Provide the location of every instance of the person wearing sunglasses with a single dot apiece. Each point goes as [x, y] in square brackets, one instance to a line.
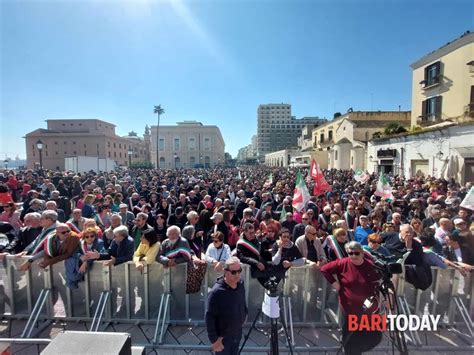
[217, 252]
[375, 244]
[90, 241]
[356, 278]
[227, 310]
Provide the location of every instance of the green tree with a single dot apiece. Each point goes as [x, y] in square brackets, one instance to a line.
[337, 114]
[394, 128]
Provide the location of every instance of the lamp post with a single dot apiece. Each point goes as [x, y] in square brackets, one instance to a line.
[130, 152]
[39, 146]
[159, 111]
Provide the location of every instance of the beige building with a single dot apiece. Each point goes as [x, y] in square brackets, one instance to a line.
[345, 138]
[187, 145]
[443, 83]
[443, 107]
[82, 137]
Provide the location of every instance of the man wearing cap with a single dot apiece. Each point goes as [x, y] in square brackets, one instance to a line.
[219, 226]
[126, 215]
[363, 230]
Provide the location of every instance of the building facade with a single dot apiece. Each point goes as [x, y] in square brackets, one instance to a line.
[65, 138]
[443, 112]
[277, 129]
[442, 152]
[443, 83]
[189, 144]
[344, 140]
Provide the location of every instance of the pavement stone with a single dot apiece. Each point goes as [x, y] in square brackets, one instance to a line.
[189, 338]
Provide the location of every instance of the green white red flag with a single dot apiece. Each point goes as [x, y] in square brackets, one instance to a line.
[361, 176]
[384, 190]
[301, 195]
[269, 181]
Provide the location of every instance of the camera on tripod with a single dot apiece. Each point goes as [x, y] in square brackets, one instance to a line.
[386, 266]
[272, 286]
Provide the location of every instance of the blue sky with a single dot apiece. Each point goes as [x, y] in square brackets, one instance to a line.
[211, 61]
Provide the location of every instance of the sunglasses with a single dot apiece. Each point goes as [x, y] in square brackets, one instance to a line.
[234, 272]
[356, 253]
[64, 232]
[89, 236]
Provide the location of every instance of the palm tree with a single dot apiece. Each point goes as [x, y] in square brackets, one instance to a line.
[159, 111]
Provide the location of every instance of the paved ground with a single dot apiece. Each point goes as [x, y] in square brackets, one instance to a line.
[307, 337]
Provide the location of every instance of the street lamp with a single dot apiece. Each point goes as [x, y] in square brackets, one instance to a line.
[39, 146]
[159, 111]
[130, 152]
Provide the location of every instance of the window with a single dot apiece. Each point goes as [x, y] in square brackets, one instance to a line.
[431, 109]
[192, 162]
[432, 74]
[330, 135]
[120, 145]
[162, 161]
[321, 138]
[73, 142]
[74, 152]
[192, 143]
[115, 146]
[207, 162]
[108, 144]
[207, 143]
[161, 145]
[176, 144]
[56, 143]
[65, 143]
[109, 154]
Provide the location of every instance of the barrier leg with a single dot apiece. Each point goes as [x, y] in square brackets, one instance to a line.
[35, 313]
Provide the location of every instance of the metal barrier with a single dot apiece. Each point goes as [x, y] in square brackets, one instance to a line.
[157, 296]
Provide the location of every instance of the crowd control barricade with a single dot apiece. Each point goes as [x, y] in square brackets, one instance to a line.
[157, 295]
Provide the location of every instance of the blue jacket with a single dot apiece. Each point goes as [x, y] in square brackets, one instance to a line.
[226, 310]
[122, 251]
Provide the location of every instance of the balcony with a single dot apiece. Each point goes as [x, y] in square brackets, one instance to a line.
[429, 83]
[429, 119]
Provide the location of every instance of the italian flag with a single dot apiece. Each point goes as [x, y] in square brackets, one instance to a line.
[301, 195]
[384, 190]
[269, 181]
[361, 176]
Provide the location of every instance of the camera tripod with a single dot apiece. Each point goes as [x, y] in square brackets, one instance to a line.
[273, 326]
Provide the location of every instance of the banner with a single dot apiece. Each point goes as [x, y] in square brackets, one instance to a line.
[468, 201]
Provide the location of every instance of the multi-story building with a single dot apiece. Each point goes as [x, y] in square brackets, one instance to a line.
[65, 138]
[443, 83]
[189, 144]
[344, 140]
[277, 129]
[443, 109]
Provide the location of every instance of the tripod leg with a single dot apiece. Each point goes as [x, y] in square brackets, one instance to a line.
[274, 336]
[250, 330]
[288, 339]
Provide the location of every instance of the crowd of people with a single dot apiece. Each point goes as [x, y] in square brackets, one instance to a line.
[205, 216]
[210, 217]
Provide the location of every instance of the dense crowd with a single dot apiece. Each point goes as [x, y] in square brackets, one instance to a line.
[202, 217]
